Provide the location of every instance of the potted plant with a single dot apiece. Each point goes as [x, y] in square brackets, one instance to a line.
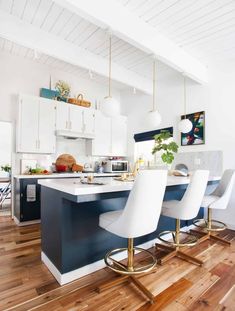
[64, 90]
[6, 168]
[165, 147]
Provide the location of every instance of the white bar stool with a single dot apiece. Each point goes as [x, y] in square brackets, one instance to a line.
[139, 217]
[185, 209]
[218, 199]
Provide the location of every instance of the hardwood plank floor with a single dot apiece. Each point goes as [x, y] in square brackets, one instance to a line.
[26, 284]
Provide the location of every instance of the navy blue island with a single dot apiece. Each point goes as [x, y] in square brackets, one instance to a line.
[73, 244]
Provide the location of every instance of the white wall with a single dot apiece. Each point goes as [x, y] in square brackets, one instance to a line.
[217, 99]
[20, 75]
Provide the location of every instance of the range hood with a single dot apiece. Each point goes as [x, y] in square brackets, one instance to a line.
[73, 135]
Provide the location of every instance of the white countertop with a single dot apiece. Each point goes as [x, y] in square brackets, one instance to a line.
[74, 187]
[65, 175]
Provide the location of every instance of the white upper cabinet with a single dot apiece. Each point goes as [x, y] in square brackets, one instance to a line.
[110, 136]
[89, 121]
[75, 119]
[36, 125]
[47, 139]
[62, 116]
[27, 129]
[119, 136]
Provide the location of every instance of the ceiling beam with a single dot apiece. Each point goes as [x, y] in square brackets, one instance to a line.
[129, 27]
[14, 29]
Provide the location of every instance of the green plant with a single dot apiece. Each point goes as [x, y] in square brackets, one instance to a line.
[6, 168]
[168, 148]
[63, 88]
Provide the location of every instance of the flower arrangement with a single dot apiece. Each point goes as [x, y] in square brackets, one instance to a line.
[168, 148]
[63, 88]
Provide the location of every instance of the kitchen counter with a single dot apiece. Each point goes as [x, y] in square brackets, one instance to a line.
[64, 175]
[74, 187]
[73, 244]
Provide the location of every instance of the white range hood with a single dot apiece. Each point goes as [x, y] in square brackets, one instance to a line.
[73, 135]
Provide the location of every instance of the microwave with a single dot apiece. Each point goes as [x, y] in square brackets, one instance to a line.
[116, 166]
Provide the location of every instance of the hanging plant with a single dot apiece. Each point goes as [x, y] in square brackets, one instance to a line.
[63, 88]
[169, 149]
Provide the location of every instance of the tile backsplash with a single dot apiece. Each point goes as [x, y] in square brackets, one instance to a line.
[212, 160]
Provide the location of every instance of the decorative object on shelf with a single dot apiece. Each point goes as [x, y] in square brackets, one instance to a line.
[153, 118]
[48, 93]
[110, 106]
[63, 89]
[185, 125]
[79, 101]
[168, 148]
[197, 134]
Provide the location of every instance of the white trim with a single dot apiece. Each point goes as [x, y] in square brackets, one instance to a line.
[25, 223]
[78, 273]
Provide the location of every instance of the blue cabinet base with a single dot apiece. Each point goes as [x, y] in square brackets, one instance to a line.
[71, 236]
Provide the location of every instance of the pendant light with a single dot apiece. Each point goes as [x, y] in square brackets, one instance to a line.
[185, 125]
[153, 118]
[110, 106]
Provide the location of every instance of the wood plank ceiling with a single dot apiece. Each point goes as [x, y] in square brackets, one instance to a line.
[204, 28]
[56, 20]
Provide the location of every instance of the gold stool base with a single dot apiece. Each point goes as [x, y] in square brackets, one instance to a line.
[174, 249]
[210, 226]
[120, 268]
[190, 242]
[215, 225]
[128, 271]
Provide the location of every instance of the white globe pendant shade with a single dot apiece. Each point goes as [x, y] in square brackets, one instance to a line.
[110, 107]
[152, 120]
[185, 126]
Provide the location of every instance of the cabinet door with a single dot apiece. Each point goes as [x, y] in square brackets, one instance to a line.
[62, 116]
[101, 145]
[46, 137]
[75, 118]
[89, 121]
[119, 136]
[27, 136]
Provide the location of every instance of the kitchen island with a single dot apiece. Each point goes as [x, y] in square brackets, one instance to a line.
[73, 244]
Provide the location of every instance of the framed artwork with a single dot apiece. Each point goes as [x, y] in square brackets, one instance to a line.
[197, 135]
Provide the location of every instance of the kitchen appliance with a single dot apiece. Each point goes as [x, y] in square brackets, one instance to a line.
[116, 166]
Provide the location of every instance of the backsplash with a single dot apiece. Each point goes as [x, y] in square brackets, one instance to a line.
[77, 148]
[212, 160]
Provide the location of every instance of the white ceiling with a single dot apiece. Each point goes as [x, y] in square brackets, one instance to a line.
[204, 28]
[56, 20]
[29, 54]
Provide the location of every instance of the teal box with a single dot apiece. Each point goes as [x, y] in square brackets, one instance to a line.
[47, 93]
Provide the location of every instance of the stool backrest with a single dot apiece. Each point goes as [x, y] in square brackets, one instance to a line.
[143, 207]
[192, 199]
[224, 189]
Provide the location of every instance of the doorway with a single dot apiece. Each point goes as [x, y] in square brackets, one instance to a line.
[5, 168]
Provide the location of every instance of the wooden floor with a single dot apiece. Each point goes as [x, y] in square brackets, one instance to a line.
[26, 284]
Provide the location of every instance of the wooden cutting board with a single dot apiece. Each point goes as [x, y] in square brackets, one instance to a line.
[66, 159]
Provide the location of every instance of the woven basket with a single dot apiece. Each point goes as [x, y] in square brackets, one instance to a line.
[79, 101]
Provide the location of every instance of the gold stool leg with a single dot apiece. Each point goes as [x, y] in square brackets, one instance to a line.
[208, 235]
[176, 252]
[129, 273]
